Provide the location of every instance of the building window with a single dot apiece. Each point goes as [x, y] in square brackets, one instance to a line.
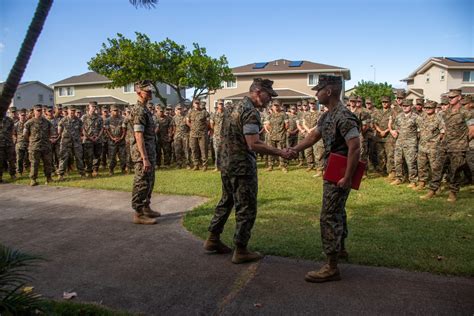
[128, 88]
[230, 84]
[51, 98]
[66, 91]
[312, 79]
[443, 75]
[427, 79]
[168, 89]
[40, 98]
[468, 76]
[18, 96]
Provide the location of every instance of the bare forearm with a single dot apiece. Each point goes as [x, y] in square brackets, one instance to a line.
[262, 148]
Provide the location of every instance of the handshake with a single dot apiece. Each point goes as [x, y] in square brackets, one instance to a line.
[288, 153]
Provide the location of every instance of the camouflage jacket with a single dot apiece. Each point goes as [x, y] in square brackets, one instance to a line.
[199, 122]
[216, 119]
[142, 121]
[54, 126]
[92, 126]
[336, 127]
[381, 119]
[277, 122]
[72, 129]
[39, 131]
[6, 132]
[310, 118]
[292, 125]
[164, 124]
[234, 156]
[407, 126]
[364, 120]
[129, 136]
[21, 141]
[181, 129]
[431, 126]
[115, 127]
[457, 128]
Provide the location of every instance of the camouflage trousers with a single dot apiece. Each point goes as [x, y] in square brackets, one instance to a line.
[407, 152]
[216, 143]
[181, 150]
[22, 161]
[457, 160]
[386, 156]
[333, 218]
[56, 157]
[104, 154]
[241, 192]
[429, 162]
[301, 156]
[163, 149]
[281, 144]
[117, 149]
[372, 151]
[35, 157]
[67, 153]
[92, 152]
[364, 149]
[314, 155]
[7, 160]
[130, 164]
[199, 150]
[470, 159]
[143, 183]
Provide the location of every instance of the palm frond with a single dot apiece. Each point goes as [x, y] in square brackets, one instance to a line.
[148, 4]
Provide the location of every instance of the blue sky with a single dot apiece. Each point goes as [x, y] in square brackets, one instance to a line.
[393, 36]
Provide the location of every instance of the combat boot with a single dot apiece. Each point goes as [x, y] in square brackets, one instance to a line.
[142, 219]
[33, 182]
[318, 174]
[213, 243]
[196, 168]
[428, 195]
[111, 173]
[94, 173]
[309, 169]
[396, 182]
[412, 186]
[328, 272]
[421, 186]
[452, 197]
[49, 180]
[242, 255]
[343, 254]
[150, 213]
[60, 178]
[300, 164]
[270, 168]
[391, 175]
[204, 168]
[284, 169]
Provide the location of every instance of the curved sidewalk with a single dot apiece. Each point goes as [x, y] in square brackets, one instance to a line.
[94, 249]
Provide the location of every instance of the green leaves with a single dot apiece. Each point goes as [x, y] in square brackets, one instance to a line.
[123, 61]
[369, 89]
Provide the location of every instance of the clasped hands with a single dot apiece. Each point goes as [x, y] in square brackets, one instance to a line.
[288, 153]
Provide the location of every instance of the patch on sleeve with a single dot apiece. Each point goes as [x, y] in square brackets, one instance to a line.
[138, 128]
[251, 129]
[470, 122]
[352, 133]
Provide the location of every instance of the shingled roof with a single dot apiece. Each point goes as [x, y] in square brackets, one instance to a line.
[444, 62]
[86, 78]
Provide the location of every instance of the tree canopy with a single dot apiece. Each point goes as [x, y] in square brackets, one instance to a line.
[369, 89]
[124, 61]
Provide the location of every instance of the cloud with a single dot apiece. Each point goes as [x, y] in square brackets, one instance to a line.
[2, 46]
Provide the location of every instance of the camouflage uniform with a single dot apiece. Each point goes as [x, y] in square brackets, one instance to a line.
[164, 144]
[429, 153]
[55, 141]
[385, 145]
[238, 172]
[115, 128]
[7, 149]
[92, 127]
[310, 119]
[198, 136]
[143, 183]
[128, 141]
[277, 122]
[21, 147]
[301, 135]
[181, 141]
[216, 119]
[336, 127]
[406, 146]
[372, 138]
[365, 120]
[70, 145]
[292, 136]
[38, 131]
[456, 137]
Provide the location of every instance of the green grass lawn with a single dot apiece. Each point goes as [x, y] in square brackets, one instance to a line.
[388, 226]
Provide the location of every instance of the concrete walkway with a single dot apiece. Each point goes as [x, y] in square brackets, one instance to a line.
[95, 250]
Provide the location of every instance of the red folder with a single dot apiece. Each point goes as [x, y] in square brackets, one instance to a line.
[336, 169]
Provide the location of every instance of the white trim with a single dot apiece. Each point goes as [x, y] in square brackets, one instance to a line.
[132, 90]
[341, 70]
[80, 83]
[307, 79]
[225, 86]
[66, 95]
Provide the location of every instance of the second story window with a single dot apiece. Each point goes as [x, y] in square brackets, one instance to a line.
[442, 75]
[128, 88]
[66, 91]
[427, 79]
[468, 76]
[18, 96]
[230, 84]
[313, 79]
[40, 98]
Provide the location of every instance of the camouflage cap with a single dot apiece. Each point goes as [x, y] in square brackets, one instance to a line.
[401, 94]
[353, 98]
[145, 85]
[385, 98]
[444, 100]
[71, 107]
[266, 85]
[454, 92]
[359, 99]
[37, 107]
[368, 100]
[298, 103]
[312, 101]
[221, 101]
[276, 102]
[420, 101]
[304, 102]
[408, 102]
[293, 107]
[12, 109]
[229, 103]
[178, 107]
[346, 98]
[169, 107]
[59, 106]
[22, 111]
[114, 107]
[325, 80]
[430, 104]
[466, 100]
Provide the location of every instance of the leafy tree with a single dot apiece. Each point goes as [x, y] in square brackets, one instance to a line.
[369, 89]
[123, 60]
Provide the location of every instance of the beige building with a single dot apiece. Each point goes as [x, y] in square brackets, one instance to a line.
[80, 90]
[293, 80]
[439, 74]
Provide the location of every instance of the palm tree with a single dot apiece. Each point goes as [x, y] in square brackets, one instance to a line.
[28, 44]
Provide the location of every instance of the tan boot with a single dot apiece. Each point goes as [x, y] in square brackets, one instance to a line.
[142, 219]
[196, 168]
[412, 185]
[285, 170]
[33, 183]
[49, 180]
[213, 243]
[60, 178]
[94, 173]
[428, 195]
[328, 272]
[309, 169]
[269, 168]
[421, 186]
[391, 175]
[452, 197]
[242, 255]
[300, 164]
[318, 174]
[396, 182]
[150, 213]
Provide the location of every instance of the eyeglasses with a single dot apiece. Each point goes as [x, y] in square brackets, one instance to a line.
[384, 101]
[453, 97]
[368, 102]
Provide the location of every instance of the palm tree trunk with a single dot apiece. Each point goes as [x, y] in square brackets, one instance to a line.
[23, 57]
